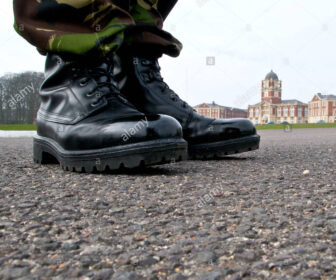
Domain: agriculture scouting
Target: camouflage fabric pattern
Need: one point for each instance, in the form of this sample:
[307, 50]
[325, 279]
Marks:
[100, 26]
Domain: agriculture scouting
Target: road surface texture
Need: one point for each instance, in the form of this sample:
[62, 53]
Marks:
[268, 214]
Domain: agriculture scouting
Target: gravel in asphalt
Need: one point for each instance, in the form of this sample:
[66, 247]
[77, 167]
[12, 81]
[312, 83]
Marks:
[267, 214]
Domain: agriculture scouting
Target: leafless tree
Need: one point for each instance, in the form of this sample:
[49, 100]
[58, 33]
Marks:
[19, 98]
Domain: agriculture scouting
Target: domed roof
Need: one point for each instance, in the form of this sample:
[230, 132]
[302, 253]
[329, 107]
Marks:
[271, 76]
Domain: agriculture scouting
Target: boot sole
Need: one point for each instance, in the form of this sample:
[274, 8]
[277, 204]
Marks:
[162, 151]
[224, 148]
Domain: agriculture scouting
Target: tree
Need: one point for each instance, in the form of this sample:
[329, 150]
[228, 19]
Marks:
[19, 97]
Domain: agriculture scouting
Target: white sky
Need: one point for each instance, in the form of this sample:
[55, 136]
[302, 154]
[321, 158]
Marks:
[248, 38]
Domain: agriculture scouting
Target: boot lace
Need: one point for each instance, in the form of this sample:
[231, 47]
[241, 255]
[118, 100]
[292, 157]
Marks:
[154, 74]
[106, 87]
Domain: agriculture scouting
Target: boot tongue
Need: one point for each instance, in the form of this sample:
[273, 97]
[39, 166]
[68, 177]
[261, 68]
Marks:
[105, 75]
[104, 78]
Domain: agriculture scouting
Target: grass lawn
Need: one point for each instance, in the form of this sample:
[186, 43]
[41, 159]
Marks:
[295, 126]
[17, 127]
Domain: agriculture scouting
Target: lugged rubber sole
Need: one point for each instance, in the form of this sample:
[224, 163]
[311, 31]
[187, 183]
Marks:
[224, 148]
[127, 156]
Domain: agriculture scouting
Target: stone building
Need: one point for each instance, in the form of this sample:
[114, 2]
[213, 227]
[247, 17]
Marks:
[322, 108]
[272, 108]
[216, 111]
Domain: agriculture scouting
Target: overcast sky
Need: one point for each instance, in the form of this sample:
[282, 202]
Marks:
[247, 38]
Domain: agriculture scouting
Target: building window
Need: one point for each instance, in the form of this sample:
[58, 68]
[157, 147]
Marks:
[292, 111]
[279, 120]
[275, 94]
[299, 111]
[266, 111]
[251, 113]
[257, 113]
[285, 111]
[279, 111]
[306, 111]
[292, 120]
[256, 121]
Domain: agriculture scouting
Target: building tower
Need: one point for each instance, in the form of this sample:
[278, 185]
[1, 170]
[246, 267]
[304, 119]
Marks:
[271, 89]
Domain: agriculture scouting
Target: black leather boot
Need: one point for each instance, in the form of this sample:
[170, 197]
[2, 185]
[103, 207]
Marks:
[141, 82]
[87, 125]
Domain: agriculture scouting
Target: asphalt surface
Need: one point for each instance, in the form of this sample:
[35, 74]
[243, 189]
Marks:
[267, 214]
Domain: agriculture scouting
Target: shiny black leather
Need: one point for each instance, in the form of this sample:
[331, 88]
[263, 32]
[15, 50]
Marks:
[82, 108]
[141, 82]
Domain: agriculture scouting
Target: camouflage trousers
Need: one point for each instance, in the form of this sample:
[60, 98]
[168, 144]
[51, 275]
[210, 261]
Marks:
[83, 27]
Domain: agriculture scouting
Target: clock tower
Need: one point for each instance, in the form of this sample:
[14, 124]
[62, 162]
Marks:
[271, 89]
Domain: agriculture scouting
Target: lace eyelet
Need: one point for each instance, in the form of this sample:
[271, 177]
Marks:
[83, 82]
[95, 104]
[173, 97]
[90, 94]
[145, 62]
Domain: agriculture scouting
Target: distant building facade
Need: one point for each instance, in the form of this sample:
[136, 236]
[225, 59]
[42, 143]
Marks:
[322, 108]
[272, 108]
[216, 111]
